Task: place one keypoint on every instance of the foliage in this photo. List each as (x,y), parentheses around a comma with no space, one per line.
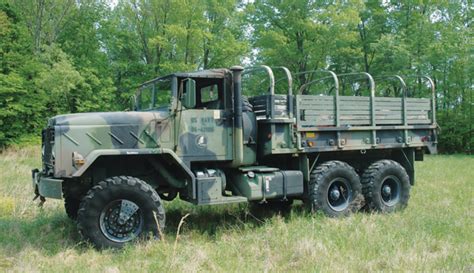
(64,56)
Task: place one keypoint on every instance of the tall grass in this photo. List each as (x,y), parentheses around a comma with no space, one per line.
(435,232)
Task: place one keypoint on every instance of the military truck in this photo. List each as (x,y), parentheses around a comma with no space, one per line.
(205,137)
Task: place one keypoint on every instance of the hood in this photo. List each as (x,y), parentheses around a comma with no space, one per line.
(107,118)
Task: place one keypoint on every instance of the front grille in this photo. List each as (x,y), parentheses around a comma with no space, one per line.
(47,145)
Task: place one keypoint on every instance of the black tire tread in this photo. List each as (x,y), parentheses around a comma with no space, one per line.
(71,206)
(316,179)
(369,178)
(84,224)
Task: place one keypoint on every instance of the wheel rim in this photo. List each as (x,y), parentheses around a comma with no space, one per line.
(339,194)
(390,190)
(121,221)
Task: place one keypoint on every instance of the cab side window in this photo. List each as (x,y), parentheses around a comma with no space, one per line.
(210,97)
(209,93)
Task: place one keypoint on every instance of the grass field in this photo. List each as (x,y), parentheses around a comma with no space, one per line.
(435,232)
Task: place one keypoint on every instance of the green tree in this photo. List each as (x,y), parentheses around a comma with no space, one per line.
(145,39)
(17,103)
(304,35)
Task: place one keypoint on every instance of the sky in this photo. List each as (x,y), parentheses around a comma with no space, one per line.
(112,3)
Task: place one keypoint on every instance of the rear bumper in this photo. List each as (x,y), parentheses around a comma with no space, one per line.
(47,186)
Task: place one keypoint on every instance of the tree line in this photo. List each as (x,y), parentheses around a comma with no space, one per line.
(67,56)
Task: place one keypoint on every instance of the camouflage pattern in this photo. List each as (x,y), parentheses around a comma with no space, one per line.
(227,138)
(95,134)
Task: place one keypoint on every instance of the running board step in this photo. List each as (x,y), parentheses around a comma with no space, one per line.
(224,200)
(209,191)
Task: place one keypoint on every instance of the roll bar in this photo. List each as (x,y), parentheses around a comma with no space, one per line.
(271,75)
(267,69)
(336,77)
(399,79)
(367,75)
(433,95)
(404,102)
(332,75)
(337,103)
(429,80)
(288,77)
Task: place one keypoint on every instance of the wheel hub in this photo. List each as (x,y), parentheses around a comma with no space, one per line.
(335,194)
(339,194)
(121,221)
(386,190)
(390,190)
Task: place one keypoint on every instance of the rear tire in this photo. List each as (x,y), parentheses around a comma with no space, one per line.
(119,210)
(334,187)
(386,186)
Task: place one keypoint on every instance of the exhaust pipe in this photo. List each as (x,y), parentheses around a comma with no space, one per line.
(238,125)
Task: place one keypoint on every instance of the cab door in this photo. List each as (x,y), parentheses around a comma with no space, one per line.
(206,129)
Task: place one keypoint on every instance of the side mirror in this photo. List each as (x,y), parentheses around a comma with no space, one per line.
(189,99)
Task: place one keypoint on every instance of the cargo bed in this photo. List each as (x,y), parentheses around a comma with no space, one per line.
(329,123)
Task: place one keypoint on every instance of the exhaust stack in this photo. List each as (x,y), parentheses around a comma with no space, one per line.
(238,125)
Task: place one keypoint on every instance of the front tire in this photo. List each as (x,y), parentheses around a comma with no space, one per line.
(333,189)
(386,186)
(71,206)
(119,210)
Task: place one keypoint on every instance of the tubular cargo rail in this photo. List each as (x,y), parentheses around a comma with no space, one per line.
(227,135)
(349,122)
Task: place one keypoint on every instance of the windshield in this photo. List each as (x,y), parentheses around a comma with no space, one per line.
(155,95)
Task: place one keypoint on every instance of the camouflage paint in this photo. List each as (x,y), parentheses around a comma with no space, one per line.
(204,135)
(95,134)
(231,138)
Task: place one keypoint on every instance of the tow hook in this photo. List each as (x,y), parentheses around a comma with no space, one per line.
(42,200)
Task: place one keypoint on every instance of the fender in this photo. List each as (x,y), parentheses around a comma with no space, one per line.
(94,155)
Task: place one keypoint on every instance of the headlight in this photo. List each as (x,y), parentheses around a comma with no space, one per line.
(77,160)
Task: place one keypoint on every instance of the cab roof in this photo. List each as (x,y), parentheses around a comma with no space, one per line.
(210,73)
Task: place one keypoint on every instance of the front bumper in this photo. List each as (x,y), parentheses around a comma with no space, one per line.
(47,186)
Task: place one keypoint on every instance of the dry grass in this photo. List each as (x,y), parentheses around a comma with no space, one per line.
(434,233)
